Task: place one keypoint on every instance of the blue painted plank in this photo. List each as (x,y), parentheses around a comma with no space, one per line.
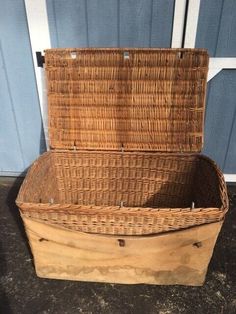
(53,29)
(162,20)
(216,32)
(219,116)
(216,27)
(226,45)
(135,23)
(102,23)
(67,23)
(110,23)
(230,160)
(209,22)
(21,97)
(11,156)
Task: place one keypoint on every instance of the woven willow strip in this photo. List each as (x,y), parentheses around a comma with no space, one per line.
(123,193)
(152,100)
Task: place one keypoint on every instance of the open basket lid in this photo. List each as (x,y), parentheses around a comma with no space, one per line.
(125,98)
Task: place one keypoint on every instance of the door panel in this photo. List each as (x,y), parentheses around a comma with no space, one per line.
(21,133)
(220,115)
(11,157)
(216,27)
(216,32)
(110,23)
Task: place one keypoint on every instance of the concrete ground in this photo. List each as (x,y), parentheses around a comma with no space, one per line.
(22,292)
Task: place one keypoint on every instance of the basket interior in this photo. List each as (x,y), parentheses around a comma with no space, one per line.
(123,179)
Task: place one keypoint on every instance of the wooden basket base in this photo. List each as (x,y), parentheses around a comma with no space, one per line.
(179,257)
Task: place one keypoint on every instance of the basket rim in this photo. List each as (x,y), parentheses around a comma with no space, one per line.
(203,50)
(117,209)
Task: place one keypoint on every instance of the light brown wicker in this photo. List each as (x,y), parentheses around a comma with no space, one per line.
(125,127)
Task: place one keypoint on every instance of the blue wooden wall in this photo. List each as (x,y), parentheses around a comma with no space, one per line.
(109,23)
(217,32)
(21,136)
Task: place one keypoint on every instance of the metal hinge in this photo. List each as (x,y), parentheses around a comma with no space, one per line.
(40,59)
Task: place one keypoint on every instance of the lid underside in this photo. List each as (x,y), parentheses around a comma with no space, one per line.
(131,99)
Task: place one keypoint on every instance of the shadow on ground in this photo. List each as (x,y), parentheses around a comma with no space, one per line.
(22,292)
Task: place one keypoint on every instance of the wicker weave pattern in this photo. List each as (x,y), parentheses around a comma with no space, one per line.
(99,99)
(129,193)
(128,100)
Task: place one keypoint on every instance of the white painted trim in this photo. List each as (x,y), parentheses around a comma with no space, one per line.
(218,64)
(212,72)
(230,177)
(178,24)
(36,12)
(191,23)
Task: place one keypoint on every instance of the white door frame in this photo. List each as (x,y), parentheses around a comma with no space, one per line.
(37,18)
(215,64)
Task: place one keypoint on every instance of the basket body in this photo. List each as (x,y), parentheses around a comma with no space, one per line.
(123,193)
(126,129)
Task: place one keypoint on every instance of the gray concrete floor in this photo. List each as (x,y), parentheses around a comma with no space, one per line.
(22,292)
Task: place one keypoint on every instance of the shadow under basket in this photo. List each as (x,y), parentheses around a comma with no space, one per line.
(123,193)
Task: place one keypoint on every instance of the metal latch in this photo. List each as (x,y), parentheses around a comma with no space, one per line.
(40,59)
(126,55)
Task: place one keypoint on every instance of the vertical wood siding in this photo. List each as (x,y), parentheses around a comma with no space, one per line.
(216,32)
(110,23)
(21,136)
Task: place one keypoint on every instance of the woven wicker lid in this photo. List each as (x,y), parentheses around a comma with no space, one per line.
(131,99)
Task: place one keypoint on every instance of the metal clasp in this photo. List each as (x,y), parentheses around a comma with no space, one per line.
(122,204)
(126,55)
(121,242)
(51,201)
(73,55)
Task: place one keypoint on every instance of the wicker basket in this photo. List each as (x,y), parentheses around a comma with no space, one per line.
(126,127)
